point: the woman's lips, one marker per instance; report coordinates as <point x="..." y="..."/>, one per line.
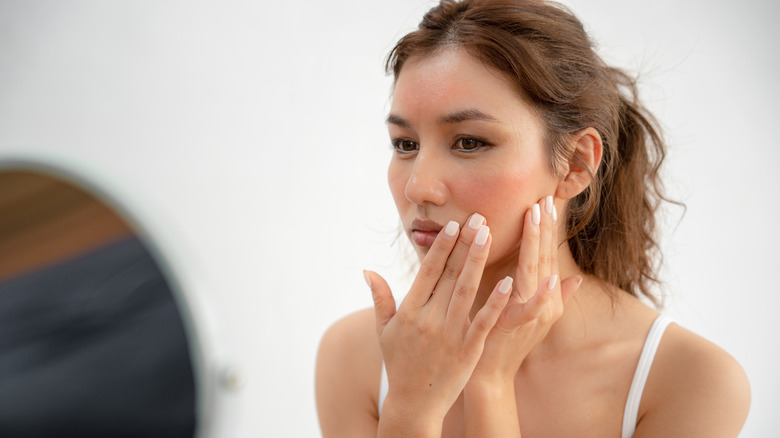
<point x="424" y="238"/>
<point x="424" y="232"/>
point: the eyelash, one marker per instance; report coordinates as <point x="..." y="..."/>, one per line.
<point x="480" y="143"/>
<point x="399" y="143"/>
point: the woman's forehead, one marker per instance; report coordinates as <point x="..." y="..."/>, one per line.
<point x="450" y="84"/>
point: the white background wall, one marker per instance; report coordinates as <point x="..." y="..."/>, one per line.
<point x="248" y="138"/>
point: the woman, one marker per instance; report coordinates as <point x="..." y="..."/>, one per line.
<point x="525" y="173"/>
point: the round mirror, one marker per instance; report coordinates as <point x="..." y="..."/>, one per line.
<point x="92" y="334"/>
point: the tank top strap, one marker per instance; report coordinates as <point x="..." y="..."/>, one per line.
<point x="640" y="375"/>
<point x="383" y="388"/>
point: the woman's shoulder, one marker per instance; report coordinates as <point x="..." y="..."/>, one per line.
<point x="694" y="388"/>
<point x="351" y="346"/>
<point x="349" y="364"/>
<point x="354" y="337"/>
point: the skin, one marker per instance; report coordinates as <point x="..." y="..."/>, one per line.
<point x="554" y="356"/>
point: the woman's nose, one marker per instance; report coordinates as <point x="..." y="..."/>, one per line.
<point x="427" y="182"/>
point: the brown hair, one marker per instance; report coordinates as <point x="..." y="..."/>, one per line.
<point x="544" y="50"/>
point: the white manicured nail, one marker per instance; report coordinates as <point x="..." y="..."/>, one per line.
<point x="451" y="229"/>
<point x="476" y="221"/>
<point x="555" y="214"/>
<point x="536" y="214"/>
<point x="506" y="285"/>
<point x="367" y="278"/>
<point x="548" y="205"/>
<point x="552" y="281"/>
<point x="482" y="235"/>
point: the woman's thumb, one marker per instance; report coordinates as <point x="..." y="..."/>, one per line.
<point x="384" y="303"/>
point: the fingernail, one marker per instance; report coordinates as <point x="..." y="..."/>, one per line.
<point x="476" y="221"/>
<point x="367" y="278"/>
<point x="536" y="215"/>
<point x="548" y="205"/>
<point x="506" y="285"/>
<point x="555" y="214"/>
<point x="452" y="228"/>
<point x="552" y="281"/>
<point x="482" y="235"/>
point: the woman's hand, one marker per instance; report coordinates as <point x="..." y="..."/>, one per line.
<point x="537" y="299"/>
<point x="429" y="345"/>
<point x="535" y="304"/>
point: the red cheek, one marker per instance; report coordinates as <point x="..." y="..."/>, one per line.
<point x="498" y="192"/>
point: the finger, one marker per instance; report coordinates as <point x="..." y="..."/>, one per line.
<point x="554" y="243"/>
<point x="516" y="316"/>
<point x="468" y="282"/>
<point x="546" y="242"/>
<point x="569" y="286"/>
<point x="432" y="266"/>
<point x="384" y="303"/>
<point x="454" y="265"/>
<point x="526" y="280"/>
<point x="486" y="318"/>
<point x="554" y="250"/>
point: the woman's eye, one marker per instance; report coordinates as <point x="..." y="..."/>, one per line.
<point x="405" y="146"/>
<point x="469" y="144"/>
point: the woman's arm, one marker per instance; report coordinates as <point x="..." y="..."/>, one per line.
<point x="491" y="410"/>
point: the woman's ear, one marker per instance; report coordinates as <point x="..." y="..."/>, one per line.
<point x="583" y="164"/>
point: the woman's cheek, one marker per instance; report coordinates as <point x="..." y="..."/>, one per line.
<point x="501" y="194"/>
<point x="503" y="199"/>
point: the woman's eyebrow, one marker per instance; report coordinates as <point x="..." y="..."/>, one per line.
<point x="469" y="114"/>
<point x="456" y="117"/>
<point x="397" y="120"/>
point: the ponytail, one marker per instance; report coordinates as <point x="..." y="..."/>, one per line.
<point x="613" y="235"/>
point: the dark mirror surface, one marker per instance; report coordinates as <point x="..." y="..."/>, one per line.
<point x="91" y="339"/>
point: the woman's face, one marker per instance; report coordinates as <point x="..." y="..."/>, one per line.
<point x="464" y="143"/>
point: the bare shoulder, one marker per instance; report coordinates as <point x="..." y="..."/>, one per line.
<point x="694" y="389"/>
<point x="349" y="364"/>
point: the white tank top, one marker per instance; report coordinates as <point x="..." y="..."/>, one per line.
<point x="637" y="384"/>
